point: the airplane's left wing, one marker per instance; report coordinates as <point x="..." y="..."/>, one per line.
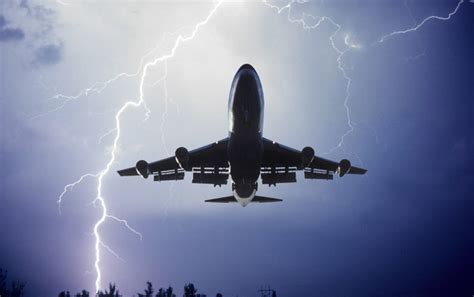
<point x="209" y="163"/>
<point x="280" y="163"/>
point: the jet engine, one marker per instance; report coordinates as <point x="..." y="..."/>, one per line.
<point x="142" y="168"/>
<point x="344" y="167"/>
<point x="307" y="156"/>
<point x="182" y="157"/>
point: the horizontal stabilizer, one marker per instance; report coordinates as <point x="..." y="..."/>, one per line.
<point x="257" y="199"/>
<point x="261" y="199"/>
<point x="227" y="199"/>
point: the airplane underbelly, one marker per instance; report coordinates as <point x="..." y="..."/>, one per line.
<point x="245" y="158"/>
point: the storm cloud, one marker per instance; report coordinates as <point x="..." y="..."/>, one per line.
<point x="404" y="229"/>
<point x="48" y="54"/>
<point x="9" y="34"/>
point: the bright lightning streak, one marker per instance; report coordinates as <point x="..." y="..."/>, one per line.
<point x="126" y="225"/>
<point x="110" y="250"/>
<point x="99" y="87"/>
<point x="106" y="134"/>
<point x="431" y="17"/>
<point x="128" y="104"/>
<point x="69" y="187"/>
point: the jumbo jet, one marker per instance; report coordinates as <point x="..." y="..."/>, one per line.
<point x="245" y="154"/>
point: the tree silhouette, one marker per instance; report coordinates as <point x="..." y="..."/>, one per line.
<point x="17" y="288"/>
<point x="274" y="293"/>
<point x="169" y="292"/>
<point x="113" y="292"/>
<point x="218" y="295"/>
<point x="83" y="293"/>
<point x="189" y="290"/>
<point x="161" y="293"/>
<point x="148" y="291"/>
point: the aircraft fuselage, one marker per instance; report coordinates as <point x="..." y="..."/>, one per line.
<point x="245" y="148"/>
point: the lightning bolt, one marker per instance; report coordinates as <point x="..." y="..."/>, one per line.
<point x="140" y="102"/>
<point x="415" y="28"/>
<point x="69" y="187"/>
<point x="349" y="46"/>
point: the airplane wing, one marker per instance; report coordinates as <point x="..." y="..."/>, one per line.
<point x="209" y="163"/>
<point x="280" y="162"/>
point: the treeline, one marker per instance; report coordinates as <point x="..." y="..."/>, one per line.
<point x="189" y="291"/>
<point x="17" y="289"/>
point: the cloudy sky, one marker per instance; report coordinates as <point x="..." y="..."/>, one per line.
<point x="68" y="67"/>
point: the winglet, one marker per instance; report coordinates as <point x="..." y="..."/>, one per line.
<point x="128" y="172"/>
<point x="357" y="170"/>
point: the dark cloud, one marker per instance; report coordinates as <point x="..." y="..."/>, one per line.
<point x="43" y="44"/>
<point x="3" y="22"/>
<point x="9" y="34"/>
<point x="48" y="54"/>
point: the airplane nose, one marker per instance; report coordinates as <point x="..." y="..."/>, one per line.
<point x="246" y="67"/>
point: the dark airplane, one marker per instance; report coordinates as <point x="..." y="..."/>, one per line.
<point x="245" y="154"/>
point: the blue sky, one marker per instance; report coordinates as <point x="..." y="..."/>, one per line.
<point x="404" y="228"/>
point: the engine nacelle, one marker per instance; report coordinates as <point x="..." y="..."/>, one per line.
<point x="307" y="156"/>
<point x="182" y="157"/>
<point x="344" y="167"/>
<point x="142" y="168"/>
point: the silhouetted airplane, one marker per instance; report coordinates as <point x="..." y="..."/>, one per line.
<point x="245" y="153"/>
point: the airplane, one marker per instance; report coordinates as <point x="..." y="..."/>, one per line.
<point x="245" y="154"/>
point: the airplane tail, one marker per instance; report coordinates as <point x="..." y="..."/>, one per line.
<point x="256" y="199"/>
